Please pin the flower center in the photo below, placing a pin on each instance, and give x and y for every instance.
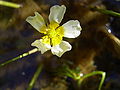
(53, 34)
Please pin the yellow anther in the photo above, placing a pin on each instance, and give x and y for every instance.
(46, 39)
(54, 34)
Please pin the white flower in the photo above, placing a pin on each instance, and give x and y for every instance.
(54, 33)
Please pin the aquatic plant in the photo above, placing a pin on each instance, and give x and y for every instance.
(57, 45)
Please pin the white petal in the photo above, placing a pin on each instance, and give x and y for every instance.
(72, 29)
(41, 46)
(57, 13)
(36, 21)
(60, 49)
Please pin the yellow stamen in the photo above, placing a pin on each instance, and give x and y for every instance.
(54, 34)
(46, 39)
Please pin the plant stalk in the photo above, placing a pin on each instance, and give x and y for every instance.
(20, 56)
(104, 11)
(10, 4)
(92, 74)
(35, 77)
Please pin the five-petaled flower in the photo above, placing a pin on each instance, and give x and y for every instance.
(54, 33)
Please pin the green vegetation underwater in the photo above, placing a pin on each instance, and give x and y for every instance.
(59, 44)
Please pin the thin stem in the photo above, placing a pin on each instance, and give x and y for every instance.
(104, 11)
(9, 4)
(34, 78)
(20, 56)
(95, 73)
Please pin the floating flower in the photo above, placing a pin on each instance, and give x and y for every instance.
(54, 33)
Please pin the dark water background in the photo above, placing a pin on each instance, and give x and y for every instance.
(16, 36)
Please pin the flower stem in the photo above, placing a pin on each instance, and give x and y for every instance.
(104, 11)
(35, 76)
(20, 56)
(9, 4)
(94, 73)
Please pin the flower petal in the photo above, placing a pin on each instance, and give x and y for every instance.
(36, 21)
(60, 49)
(72, 29)
(41, 46)
(57, 13)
